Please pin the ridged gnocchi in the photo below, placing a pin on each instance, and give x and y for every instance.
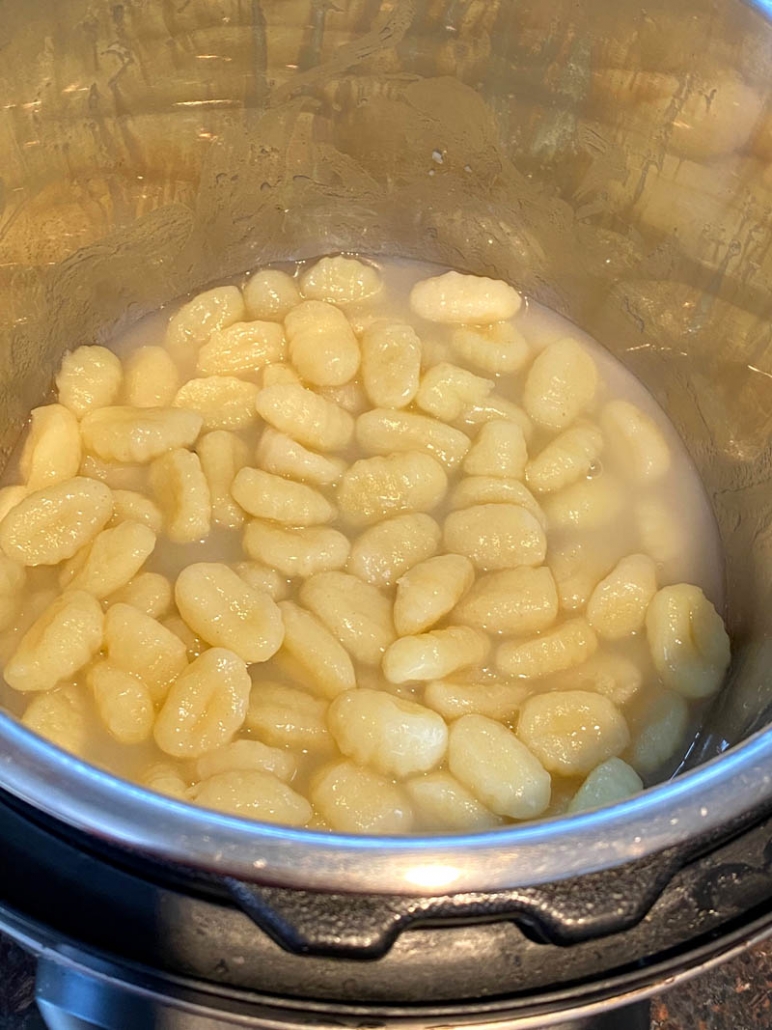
(352, 548)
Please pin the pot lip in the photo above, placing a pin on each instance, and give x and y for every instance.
(726, 789)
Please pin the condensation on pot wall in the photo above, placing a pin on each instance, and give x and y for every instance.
(612, 162)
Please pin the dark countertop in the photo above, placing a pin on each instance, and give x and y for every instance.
(737, 996)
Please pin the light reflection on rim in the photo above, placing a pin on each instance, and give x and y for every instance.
(96, 802)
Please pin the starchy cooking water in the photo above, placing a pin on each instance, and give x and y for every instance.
(447, 596)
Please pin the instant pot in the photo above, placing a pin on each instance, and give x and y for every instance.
(615, 163)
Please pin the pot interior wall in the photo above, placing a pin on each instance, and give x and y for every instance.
(611, 161)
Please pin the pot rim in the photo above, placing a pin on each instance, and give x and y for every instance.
(93, 801)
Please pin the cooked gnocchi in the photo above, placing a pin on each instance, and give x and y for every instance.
(358, 547)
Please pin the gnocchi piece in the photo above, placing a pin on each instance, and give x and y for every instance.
(383, 431)
(566, 459)
(499, 450)
(322, 344)
(225, 612)
(608, 783)
(353, 611)
(561, 384)
(636, 444)
(52, 451)
(296, 552)
(494, 700)
(572, 731)
(449, 391)
(132, 506)
(63, 639)
(165, 778)
(569, 644)
(123, 702)
(222, 456)
(586, 505)
(495, 536)
(61, 716)
(325, 662)
(577, 567)
(150, 378)
(241, 348)
(244, 755)
(429, 591)
(687, 640)
(497, 768)
(279, 374)
(149, 592)
(395, 737)
(305, 416)
(281, 500)
(252, 794)
(612, 675)
(659, 531)
(50, 525)
(206, 705)
(88, 378)
(375, 488)
(10, 496)
(355, 800)
(658, 734)
(518, 601)
(340, 280)
(283, 456)
(138, 435)
(286, 717)
(498, 348)
(435, 654)
(474, 490)
(200, 317)
(269, 294)
(386, 551)
(262, 577)
(115, 556)
(12, 580)
(441, 803)
(391, 364)
(137, 643)
(223, 402)
(182, 493)
(456, 299)
(618, 604)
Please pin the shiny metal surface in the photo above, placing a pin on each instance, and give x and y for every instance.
(87, 798)
(614, 162)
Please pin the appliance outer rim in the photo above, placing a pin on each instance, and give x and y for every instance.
(721, 793)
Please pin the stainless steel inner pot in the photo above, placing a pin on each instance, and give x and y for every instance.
(615, 162)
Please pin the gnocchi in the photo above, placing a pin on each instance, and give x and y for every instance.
(391, 364)
(572, 731)
(688, 643)
(205, 706)
(322, 345)
(561, 384)
(225, 612)
(346, 548)
(430, 590)
(497, 768)
(51, 525)
(395, 737)
(241, 348)
(52, 451)
(383, 553)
